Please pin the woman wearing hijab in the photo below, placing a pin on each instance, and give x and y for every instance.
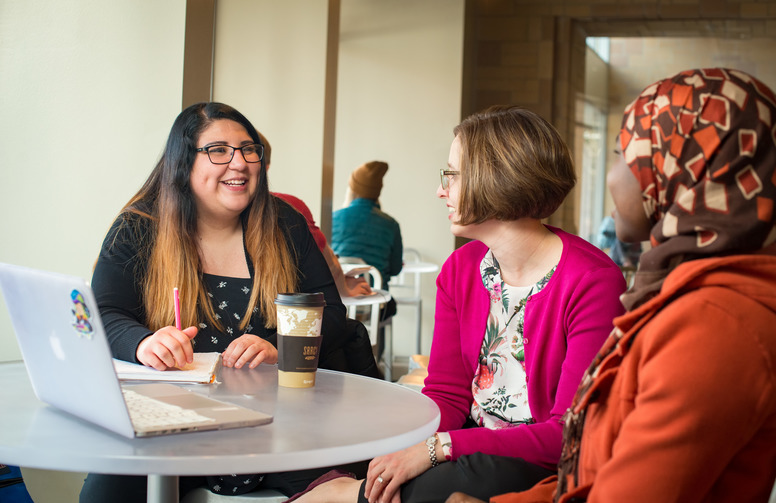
(680, 403)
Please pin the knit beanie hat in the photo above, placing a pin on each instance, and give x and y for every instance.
(367, 180)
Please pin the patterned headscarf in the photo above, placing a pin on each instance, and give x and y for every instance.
(702, 145)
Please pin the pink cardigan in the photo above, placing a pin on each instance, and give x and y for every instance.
(565, 325)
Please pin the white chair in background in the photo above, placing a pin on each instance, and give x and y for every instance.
(372, 303)
(350, 260)
(405, 289)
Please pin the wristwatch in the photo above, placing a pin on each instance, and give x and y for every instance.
(431, 444)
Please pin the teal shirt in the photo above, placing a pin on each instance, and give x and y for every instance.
(363, 230)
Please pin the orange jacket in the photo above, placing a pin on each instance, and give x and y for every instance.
(688, 412)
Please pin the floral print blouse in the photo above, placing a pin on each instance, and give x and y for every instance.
(229, 297)
(499, 386)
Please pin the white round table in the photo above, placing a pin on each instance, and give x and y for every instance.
(344, 418)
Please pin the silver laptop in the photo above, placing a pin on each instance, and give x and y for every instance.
(70, 365)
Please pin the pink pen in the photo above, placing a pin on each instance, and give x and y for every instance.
(177, 301)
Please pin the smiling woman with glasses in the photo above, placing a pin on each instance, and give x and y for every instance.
(206, 223)
(520, 312)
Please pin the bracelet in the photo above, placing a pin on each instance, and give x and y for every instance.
(431, 444)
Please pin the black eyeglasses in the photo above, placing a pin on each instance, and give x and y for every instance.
(223, 154)
(446, 175)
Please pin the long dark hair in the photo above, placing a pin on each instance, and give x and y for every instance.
(166, 198)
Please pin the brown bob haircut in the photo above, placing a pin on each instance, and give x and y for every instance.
(514, 164)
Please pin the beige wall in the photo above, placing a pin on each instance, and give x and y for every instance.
(270, 59)
(88, 92)
(398, 99)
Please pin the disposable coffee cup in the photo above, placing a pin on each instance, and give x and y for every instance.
(299, 337)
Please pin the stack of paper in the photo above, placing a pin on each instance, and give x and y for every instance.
(201, 370)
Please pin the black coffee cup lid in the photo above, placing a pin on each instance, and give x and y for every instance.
(300, 299)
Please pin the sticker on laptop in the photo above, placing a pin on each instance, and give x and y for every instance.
(80, 310)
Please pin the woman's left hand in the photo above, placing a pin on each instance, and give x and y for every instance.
(250, 349)
(387, 473)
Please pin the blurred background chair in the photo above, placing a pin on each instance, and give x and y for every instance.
(366, 308)
(406, 288)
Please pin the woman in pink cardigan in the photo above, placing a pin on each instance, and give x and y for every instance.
(520, 312)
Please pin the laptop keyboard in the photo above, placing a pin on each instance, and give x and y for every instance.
(147, 412)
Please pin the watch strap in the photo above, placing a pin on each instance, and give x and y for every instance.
(431, 444)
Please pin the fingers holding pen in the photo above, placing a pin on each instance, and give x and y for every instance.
(186, 345)
(167, 348)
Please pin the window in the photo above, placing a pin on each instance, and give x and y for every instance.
(600, 45)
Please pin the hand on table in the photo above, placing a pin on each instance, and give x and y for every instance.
(167, 348)
(462, 498)
(250, 349)
(357, 286)
(387, 473)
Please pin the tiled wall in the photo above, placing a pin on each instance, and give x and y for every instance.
(531, 52)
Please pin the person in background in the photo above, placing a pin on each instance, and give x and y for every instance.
(361, 229)
(205, 222)
(520, 312)
(680, 404)
(346, 286)
(623, 254)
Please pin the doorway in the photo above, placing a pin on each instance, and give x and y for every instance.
(633, 64)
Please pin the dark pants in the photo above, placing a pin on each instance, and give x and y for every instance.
(99, 488)
(479, 475)
(388, 310)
